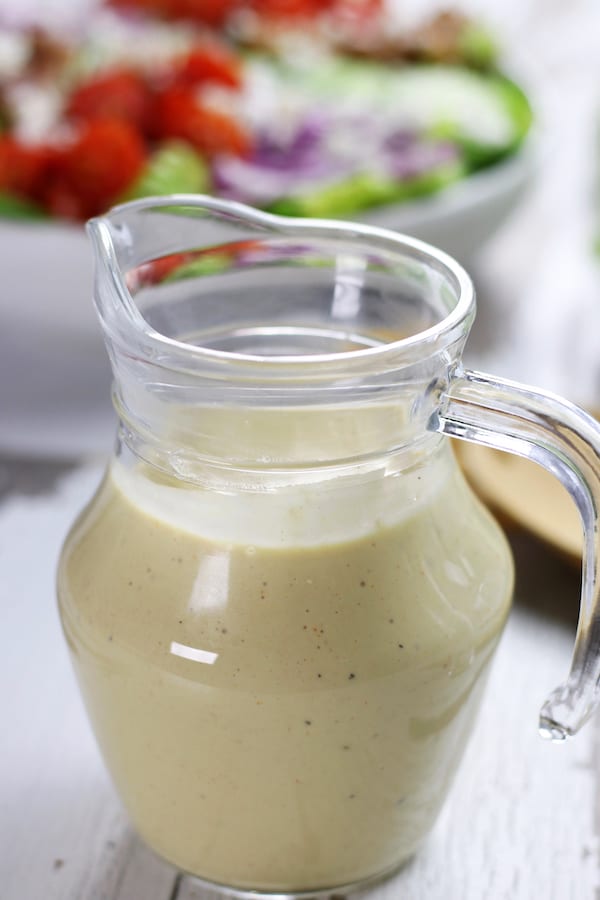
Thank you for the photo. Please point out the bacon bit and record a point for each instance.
(47, 55)
(439, 39)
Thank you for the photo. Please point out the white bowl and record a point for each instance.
(55, 393)
(461, 218)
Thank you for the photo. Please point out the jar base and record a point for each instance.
(320, 893)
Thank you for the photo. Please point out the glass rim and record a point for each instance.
(100, 230)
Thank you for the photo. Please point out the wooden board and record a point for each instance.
(522, 492)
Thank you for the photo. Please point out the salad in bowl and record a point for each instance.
(321, 108)
(296, 106)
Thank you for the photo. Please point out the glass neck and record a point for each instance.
(282, 508)
(254, 343)
(190, 436)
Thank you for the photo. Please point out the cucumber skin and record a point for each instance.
(479, 156)
(365, 190)
(175, 168)
(14, 207)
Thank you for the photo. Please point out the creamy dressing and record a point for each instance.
(282, 683)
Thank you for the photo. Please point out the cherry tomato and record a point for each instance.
(179, 114)
(208, 12)
(291, 9)
(210, 61)
(115, 94)
(96, 170)
(22, 168)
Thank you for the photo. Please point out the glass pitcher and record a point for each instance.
(283, 601)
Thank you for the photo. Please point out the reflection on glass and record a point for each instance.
(211, 587)
(193, 653)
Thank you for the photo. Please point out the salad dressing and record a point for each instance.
(281, 690)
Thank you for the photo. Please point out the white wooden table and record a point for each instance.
(521, 823)
(523, 820)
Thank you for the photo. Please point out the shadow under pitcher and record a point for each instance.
(283, 600)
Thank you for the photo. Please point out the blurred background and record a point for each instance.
(481, 119)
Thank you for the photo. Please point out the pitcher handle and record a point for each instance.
(565, 440)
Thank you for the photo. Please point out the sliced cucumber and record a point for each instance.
(174, 169)
(486, 114)
(493, 123)
(365, 190)
(345, 197)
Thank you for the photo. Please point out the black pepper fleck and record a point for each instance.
(346, 747)
(391, 621)
(307, 722)
(223, 631)
(351, 676)
(318, 674)
(363, 584)
(401, 646)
